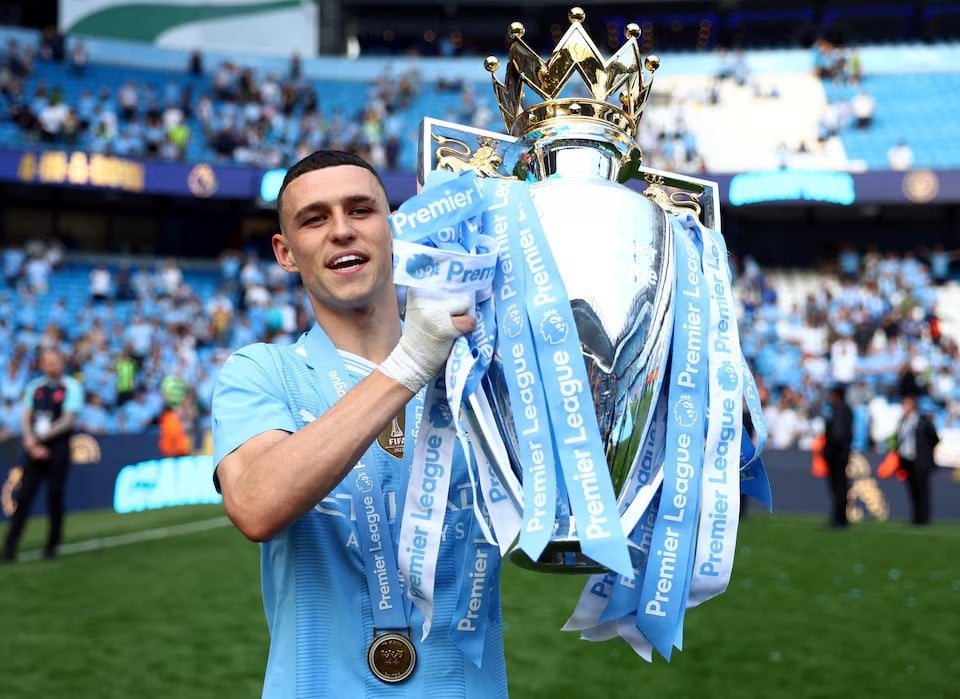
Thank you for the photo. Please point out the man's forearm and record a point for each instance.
(281, 482)
(61, 426)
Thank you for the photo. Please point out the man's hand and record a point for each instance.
(38, 451)
(432, 326)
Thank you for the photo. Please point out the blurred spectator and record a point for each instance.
(916, 439)
(14, 258)
(855, 68)
(78, 57)
(124, 284)
(126, 368)
(844, 356)
(849, 260)
(727, 64)
(863, 106)
(100, 283)
(195, 64)
(14, 379)
(785, 423)
(827, 60)
(170, 277)
(838, 438)
(52, 118)
(137, 414)
(94, 418)
(37, 272)
(940, 260)
(296, 67)
(51, 46)
(900, 156)
(50, 406)
(10, 419)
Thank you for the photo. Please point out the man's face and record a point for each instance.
(51, 364)
(336, 235)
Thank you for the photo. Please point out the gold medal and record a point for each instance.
(392, 657)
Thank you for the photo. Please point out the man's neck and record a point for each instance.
(371, 334)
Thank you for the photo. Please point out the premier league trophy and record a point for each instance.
(631, 257)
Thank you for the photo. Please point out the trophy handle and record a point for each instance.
(445, 145)
(679, 194)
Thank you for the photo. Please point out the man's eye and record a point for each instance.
(313, 220)
(361, 211)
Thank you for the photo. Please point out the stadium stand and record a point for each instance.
(712, 111)
(257, 112)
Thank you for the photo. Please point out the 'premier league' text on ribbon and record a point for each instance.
(716, 538)
(665, 583)
(433, 470)
(529, 409)
(431, 216)
(478, 577)
(573, 421)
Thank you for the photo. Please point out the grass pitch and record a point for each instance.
(872, 612)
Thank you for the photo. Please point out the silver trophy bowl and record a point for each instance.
(613, 249)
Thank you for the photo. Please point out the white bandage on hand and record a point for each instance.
(428, 336)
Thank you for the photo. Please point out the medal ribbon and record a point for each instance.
(375, 537)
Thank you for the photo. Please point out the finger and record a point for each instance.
(464, 323)
(454, 304)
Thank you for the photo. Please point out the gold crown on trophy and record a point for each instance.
(576, 52)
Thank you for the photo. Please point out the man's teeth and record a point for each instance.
(347, 261)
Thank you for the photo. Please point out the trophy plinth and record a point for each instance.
(562, 556)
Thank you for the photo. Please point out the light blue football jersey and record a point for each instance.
(315, 592)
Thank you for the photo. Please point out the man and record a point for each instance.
(838, 431)
(916, 439)
(283, 457)
(51, 405)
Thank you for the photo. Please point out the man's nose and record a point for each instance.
(342, 226)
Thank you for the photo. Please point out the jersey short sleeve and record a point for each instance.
(73, 398)
(28, 392)
(248, 400)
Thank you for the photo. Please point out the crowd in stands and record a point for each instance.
(239, 115)
(836, 62)
(841, 65)
(842, 114)
(140, 329)
(236, 114)
(870, 325)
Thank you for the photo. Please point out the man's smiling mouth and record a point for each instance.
(347, 262)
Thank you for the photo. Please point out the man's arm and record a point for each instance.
(273, 479)
(72, 404)
(61, 426)
(26, 427)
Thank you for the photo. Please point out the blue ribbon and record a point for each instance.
(573, 421)
(522, 375)
(666, 577)
(387, 599)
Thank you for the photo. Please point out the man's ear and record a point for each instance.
(283, 253)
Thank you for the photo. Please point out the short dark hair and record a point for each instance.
(321, 159)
